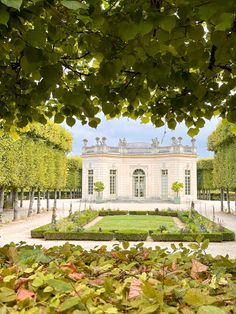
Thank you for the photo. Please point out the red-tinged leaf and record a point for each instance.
(70, 266)
(197, 268)
(114, 254)
(23, 294)
(145, 254)
(163, 271)
(135, 289)
(20, 282)
(76, 276)
(174, 266)
(96, 282)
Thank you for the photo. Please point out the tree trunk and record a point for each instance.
(21, 197)
(15, 204)
(10, 198)
(38, 202)
(221, 199)
(209, 195)
(228, 200)
(71, 195)
(48, 200)
(235, 200)
(1, 202)
(59, 194)
(31, 202)
(55, 199)
(44, 194)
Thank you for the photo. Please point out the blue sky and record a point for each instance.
(134, 131)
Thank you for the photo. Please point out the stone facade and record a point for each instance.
(139, 171)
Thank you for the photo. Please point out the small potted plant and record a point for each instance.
(177, 187)
(99, 188)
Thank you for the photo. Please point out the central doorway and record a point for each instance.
(139, 189)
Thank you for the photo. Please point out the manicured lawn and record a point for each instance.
(134, 223)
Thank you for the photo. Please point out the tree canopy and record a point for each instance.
(37, 160)
(222, 136)
(223, 142)
(161, 61)
(205, 174)
(74, 175)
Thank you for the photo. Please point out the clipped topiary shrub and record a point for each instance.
(123, 236)
(93, 236)
(186, 237)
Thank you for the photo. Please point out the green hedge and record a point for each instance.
(81, 219)
(94, 236)
(138, 212)
(39, 232)
(123, 236)
(109, 212)
(228, 235)
(187, 237)
(78, 218)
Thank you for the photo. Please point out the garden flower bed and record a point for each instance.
(119, 225)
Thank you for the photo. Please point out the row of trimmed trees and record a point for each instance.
(205, 183)
(220, 171)
(36, 163)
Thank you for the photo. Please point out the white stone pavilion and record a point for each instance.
(139, 171)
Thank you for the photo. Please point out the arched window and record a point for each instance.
(139, 184)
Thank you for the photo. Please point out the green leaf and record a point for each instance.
(128, 31)
(74, 5)
(193, 132)
(34, 55)
(226, 21)
(150, 309)
(193, 246)
(125, 245)
(7, 295)
(51, 73)
(68, 304)
(60, 285)
(205, 244)
(59, 118)
(210, 309)
(145, 27)
(93, 123)
(200, 123)
(168, 23)
(4, 16)
(16, 4)
(28, 67)
(70, 121)
(195, 296)
(233, 130)
(171, 124)
(36, 37)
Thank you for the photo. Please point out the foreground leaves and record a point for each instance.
(158, 61)
(134, 280)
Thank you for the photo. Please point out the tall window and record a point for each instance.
(139, 183)
(164, 184)
(112, 181)
(90, 182)
(187, 182)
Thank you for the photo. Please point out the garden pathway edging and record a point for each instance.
(93, 222)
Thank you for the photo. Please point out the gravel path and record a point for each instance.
(179, 223)
(93, 222)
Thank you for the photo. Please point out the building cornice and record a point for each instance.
(157, 156)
